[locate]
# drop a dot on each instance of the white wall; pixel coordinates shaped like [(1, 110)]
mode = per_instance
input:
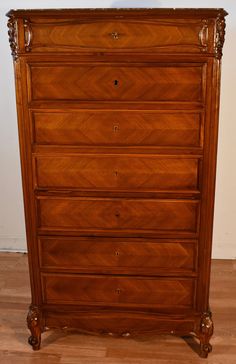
[(12, 233)]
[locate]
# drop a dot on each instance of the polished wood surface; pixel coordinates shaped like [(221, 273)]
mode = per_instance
[(69, 346), (121, 172), (99, 35), (118, 254), (123, 128), (117, 291), (125, 215), (182, 82), (118, 119)]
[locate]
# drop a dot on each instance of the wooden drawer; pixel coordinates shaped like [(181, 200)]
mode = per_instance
[(101, 34), (117, 172), (116, 290), (118, 255), (121, 128), (100, 82), (135, 215)]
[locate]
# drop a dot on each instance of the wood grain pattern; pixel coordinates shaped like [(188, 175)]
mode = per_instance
[(122, 324), (118, 255), (94, 289), (181, 82), (100, 35), (117, 172), (118, 214), (123, 128)]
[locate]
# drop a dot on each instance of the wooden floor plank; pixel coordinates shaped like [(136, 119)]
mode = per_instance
[(70, 347)]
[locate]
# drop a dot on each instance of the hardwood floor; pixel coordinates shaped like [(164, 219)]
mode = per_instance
[(70, 347)]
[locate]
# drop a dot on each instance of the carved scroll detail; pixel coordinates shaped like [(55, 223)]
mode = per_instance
[(12, 33), (203, 35), (34, 325), (206, 332), (28, 35), (219, 35)]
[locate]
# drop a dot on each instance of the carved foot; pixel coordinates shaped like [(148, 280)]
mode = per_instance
[(206, 332), (34, 325), (34, 342), (205, 349)]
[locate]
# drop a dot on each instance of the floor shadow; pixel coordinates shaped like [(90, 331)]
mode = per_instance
[(193, 343), (52, 336)]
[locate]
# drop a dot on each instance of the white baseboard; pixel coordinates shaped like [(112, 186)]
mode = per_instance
[(21, 251), (13, 243), (224, 250)]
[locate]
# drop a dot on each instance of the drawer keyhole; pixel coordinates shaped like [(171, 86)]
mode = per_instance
[(117, 253), (117, 214), (118, 291), (116, 128), (116, 83)]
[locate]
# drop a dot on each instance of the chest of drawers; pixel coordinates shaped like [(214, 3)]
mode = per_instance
[(118, 114)]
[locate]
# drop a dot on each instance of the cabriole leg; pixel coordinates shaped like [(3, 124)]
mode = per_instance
[(206, 332), (34, 325)]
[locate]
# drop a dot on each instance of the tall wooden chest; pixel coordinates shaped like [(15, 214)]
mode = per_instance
[(118, 114)]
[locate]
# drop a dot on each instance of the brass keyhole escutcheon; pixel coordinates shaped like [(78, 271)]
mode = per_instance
[(116, 173), (115, 35), (116, 83), (116, 128), (117, 214), (117, 253)]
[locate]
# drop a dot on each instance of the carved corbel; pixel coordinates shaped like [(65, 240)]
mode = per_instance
[(203, 36), (12, 33), (28, 35), (219, 35)]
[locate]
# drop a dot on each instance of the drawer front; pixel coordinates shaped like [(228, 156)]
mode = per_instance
[(117, 172), (80, 35), (112, 83), (70, 289), (124, 255), (75, 213), (137, 128)]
